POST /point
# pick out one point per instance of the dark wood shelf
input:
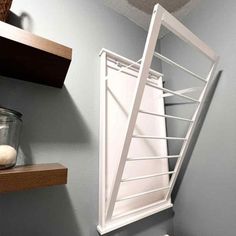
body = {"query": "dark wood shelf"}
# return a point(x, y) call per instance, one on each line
point(26, 56)
point(32, 176)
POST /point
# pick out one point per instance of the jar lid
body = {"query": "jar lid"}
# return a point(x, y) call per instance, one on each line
point(10, 113)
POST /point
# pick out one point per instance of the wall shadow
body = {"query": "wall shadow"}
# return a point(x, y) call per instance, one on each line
point(23, 21)
point(38, 212)
point(50, 115)
point(197, 131)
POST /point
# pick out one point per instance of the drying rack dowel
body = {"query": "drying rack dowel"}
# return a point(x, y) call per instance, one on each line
point(142, 194)
point(172, 92)
point(152, 158)
point(156, 137)
point(165, 116)
point(147, 176)
point(170, 62)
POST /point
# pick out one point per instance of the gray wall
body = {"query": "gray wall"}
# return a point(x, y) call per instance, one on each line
point(205, 203)
point(62, 125)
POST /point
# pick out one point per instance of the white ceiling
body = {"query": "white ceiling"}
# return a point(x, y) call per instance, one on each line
point(139, 11)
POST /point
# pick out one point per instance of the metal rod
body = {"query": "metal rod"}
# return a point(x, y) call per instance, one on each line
point(183, 91)
point(130, 65)
point(125, 72)
point(166, 116)
point(141, 194)
point(147, 176)
point(113, 57)
point(139, 209)
point(172, 92)
point(128, 73)
point(151, 158)
point(156, 137)
point(170, 62)
point(135, 68)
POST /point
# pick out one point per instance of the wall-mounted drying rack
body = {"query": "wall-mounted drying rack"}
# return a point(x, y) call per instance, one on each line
point(135, 179)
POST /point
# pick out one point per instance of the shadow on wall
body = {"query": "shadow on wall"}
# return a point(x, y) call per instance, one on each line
point(23, 21)
point(39, 212)
point(49, 115)
point(200, 122)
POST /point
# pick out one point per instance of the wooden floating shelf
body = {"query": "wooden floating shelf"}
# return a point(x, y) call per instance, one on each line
point(26, 56)
point(32, 176)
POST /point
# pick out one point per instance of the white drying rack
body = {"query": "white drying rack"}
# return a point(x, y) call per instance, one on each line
point(131, 92)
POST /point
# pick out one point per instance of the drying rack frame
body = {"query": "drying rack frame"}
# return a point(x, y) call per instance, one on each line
point(159, 17)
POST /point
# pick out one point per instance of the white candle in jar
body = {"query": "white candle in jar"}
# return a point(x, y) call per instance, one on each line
point(7, 155)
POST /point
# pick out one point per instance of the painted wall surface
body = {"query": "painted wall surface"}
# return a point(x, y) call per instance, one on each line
point(62, 125)
point(205, 203)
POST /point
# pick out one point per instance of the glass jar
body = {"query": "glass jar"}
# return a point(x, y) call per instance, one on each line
point(10, 128)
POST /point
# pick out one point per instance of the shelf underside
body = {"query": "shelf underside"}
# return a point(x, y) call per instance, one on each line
point(32, 58)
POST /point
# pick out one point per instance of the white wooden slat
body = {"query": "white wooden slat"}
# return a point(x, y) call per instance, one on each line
point(102, 141)
point(143, 74)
